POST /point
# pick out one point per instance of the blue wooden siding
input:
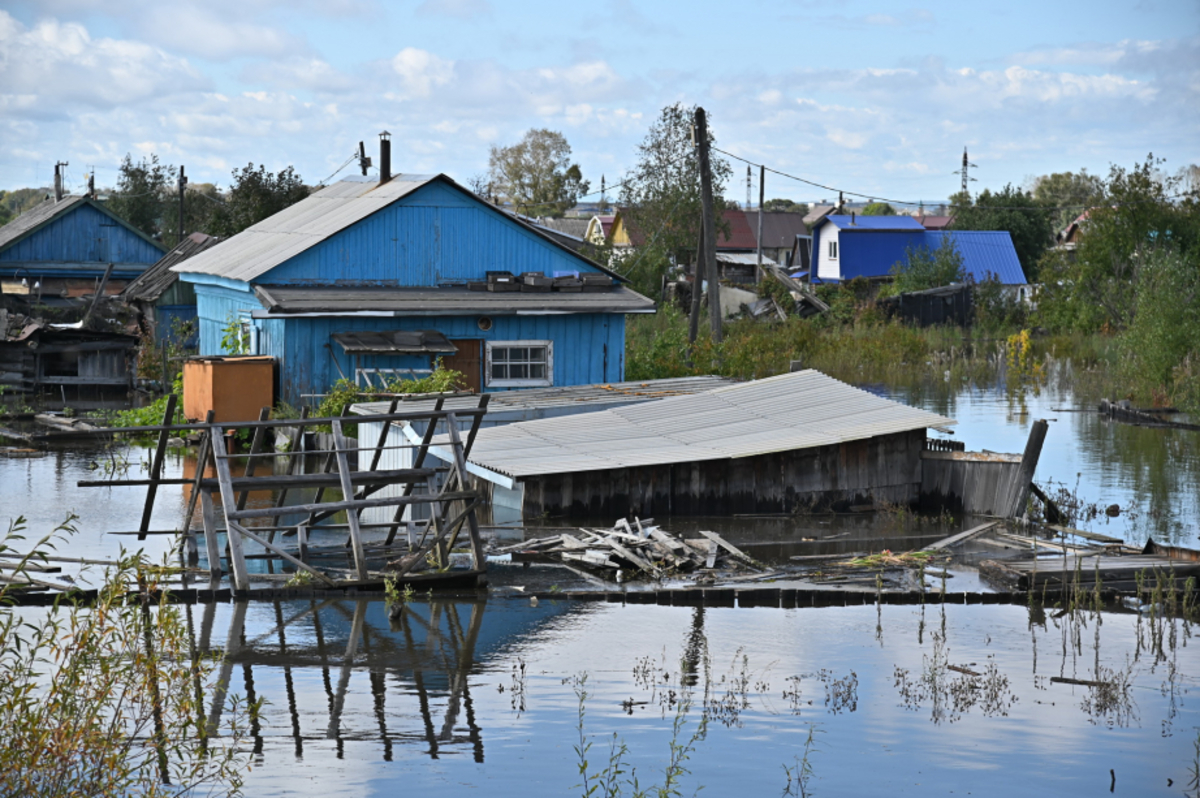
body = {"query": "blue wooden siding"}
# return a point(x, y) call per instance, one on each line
point(436, 236)
point(588, 348)
point(84, 235)
point(214, 306)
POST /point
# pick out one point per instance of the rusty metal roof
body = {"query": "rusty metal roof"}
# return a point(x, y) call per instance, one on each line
point(153, 283)
point(792, 411)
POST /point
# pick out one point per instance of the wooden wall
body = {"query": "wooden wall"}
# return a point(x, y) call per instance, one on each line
point(885, 469)
point(970, 482)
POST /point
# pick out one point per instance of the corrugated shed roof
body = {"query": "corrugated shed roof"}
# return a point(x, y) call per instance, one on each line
point(857, 222)
point(792, 411)
point(152, 283)
point(284, 299)
point(400, 342)
point(744, 258)
point(615, 393)
point(984, 253)
point(572, 227)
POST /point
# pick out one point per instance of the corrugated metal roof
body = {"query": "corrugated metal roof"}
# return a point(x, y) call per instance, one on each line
point(984, 252)
point(152, 283)
point(856, 222)
point(609, 393)
point(263, 246)
point(454, 300)
point(744, 258)
point(792, 411)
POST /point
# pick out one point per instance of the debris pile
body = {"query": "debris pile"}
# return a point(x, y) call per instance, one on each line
point(628, 550)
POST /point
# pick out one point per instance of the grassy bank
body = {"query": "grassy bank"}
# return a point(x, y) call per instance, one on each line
point(869, 350)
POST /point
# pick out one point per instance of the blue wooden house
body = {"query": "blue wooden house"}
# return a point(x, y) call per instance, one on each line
point(849, 246)
point(371, 280)
point(63, 247)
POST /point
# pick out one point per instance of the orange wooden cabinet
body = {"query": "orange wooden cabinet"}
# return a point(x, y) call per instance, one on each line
point(236, 388)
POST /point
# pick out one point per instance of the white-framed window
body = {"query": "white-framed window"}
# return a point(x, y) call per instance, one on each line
point(519, 364)
point(833, 250)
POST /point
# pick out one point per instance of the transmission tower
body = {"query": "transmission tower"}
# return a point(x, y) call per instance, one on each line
point(966, 175)
point(748, 187)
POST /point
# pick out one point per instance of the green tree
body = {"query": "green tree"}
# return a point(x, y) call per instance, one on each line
point(200, 207)
point(1068, 194)
point(785, 206)
point(535, 176)
point(1013, 210)
point(16, 202)
point(924, 268)
point(255, 195)
point(141, 193)
point(878, 209)
point(660, 196)
point(1098, 287)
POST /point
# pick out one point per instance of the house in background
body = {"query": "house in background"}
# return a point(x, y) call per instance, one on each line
point(67, 248)
point(845, 247)
point(160, 297)
point(338, 285)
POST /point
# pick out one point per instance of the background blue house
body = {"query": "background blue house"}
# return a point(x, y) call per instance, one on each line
point(66, 245)
point(365, 280)
point(845, 247)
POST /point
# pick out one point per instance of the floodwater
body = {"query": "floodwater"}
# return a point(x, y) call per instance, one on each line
point(468, 695)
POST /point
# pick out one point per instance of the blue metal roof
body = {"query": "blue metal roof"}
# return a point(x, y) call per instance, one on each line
point(984, 253)
point(843, 222)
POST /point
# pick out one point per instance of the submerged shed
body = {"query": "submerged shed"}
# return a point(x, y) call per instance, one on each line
point(798, 441)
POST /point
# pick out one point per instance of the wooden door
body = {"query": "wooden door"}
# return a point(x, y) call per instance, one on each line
point(468, 360)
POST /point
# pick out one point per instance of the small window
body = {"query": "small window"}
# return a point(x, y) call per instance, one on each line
point(520, 364)
point(833, 250)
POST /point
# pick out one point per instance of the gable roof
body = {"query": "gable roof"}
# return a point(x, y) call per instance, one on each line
point(779, 228)
point(48, 210)
point(261, 247)
point(152, 283)
point(856, 222)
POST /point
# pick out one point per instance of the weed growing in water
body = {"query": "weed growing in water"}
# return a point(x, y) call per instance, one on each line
point(799, 775)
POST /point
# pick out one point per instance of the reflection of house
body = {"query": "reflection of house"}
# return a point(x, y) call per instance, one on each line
point(845, 247)
point(63, 248)
point(410, 254)
point(158, 294)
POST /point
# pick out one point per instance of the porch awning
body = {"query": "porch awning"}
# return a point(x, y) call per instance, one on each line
point(395, 342)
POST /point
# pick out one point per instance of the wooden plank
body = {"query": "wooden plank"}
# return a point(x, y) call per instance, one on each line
point(343, 465)
point(720, 541)
point(237, 528)
point(156, 469)
point(1019, 495)
point(962, 536)
point(1079, 533)
point(237, 556)
point(297, 462)
point(636, 560)
point(201, 464)
point(255, 448)
point(336, 507)
point(210, 535)
point(460, 465)
point(418, 461)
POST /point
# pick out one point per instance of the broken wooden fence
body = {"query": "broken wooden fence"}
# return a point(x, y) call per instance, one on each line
point(444, 488)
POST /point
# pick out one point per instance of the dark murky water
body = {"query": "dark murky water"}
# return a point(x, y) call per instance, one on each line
point(361, 705)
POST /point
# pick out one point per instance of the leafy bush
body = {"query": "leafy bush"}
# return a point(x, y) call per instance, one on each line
point(109, 699)
point(924, 268)
point(152, 414)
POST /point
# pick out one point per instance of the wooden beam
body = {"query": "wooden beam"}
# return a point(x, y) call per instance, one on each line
point(418, 461)
point(239, 529)
point(460, 467)
point(210, 534)
point(255, 448)
point(962, 536)
point(336, 507)
point(237, 557)
point(343, 465)
point(156, 469)
point(201, 464)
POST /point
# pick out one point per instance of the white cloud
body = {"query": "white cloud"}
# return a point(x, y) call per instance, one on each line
point(60, 63)
point(420, 73)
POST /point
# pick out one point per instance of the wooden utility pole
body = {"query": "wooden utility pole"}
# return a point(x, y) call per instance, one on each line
point(762, 183)
point(182, 189)
point(697, 288)
point(709, 226)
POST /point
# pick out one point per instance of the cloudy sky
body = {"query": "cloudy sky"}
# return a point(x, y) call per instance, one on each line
point(872, 97)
